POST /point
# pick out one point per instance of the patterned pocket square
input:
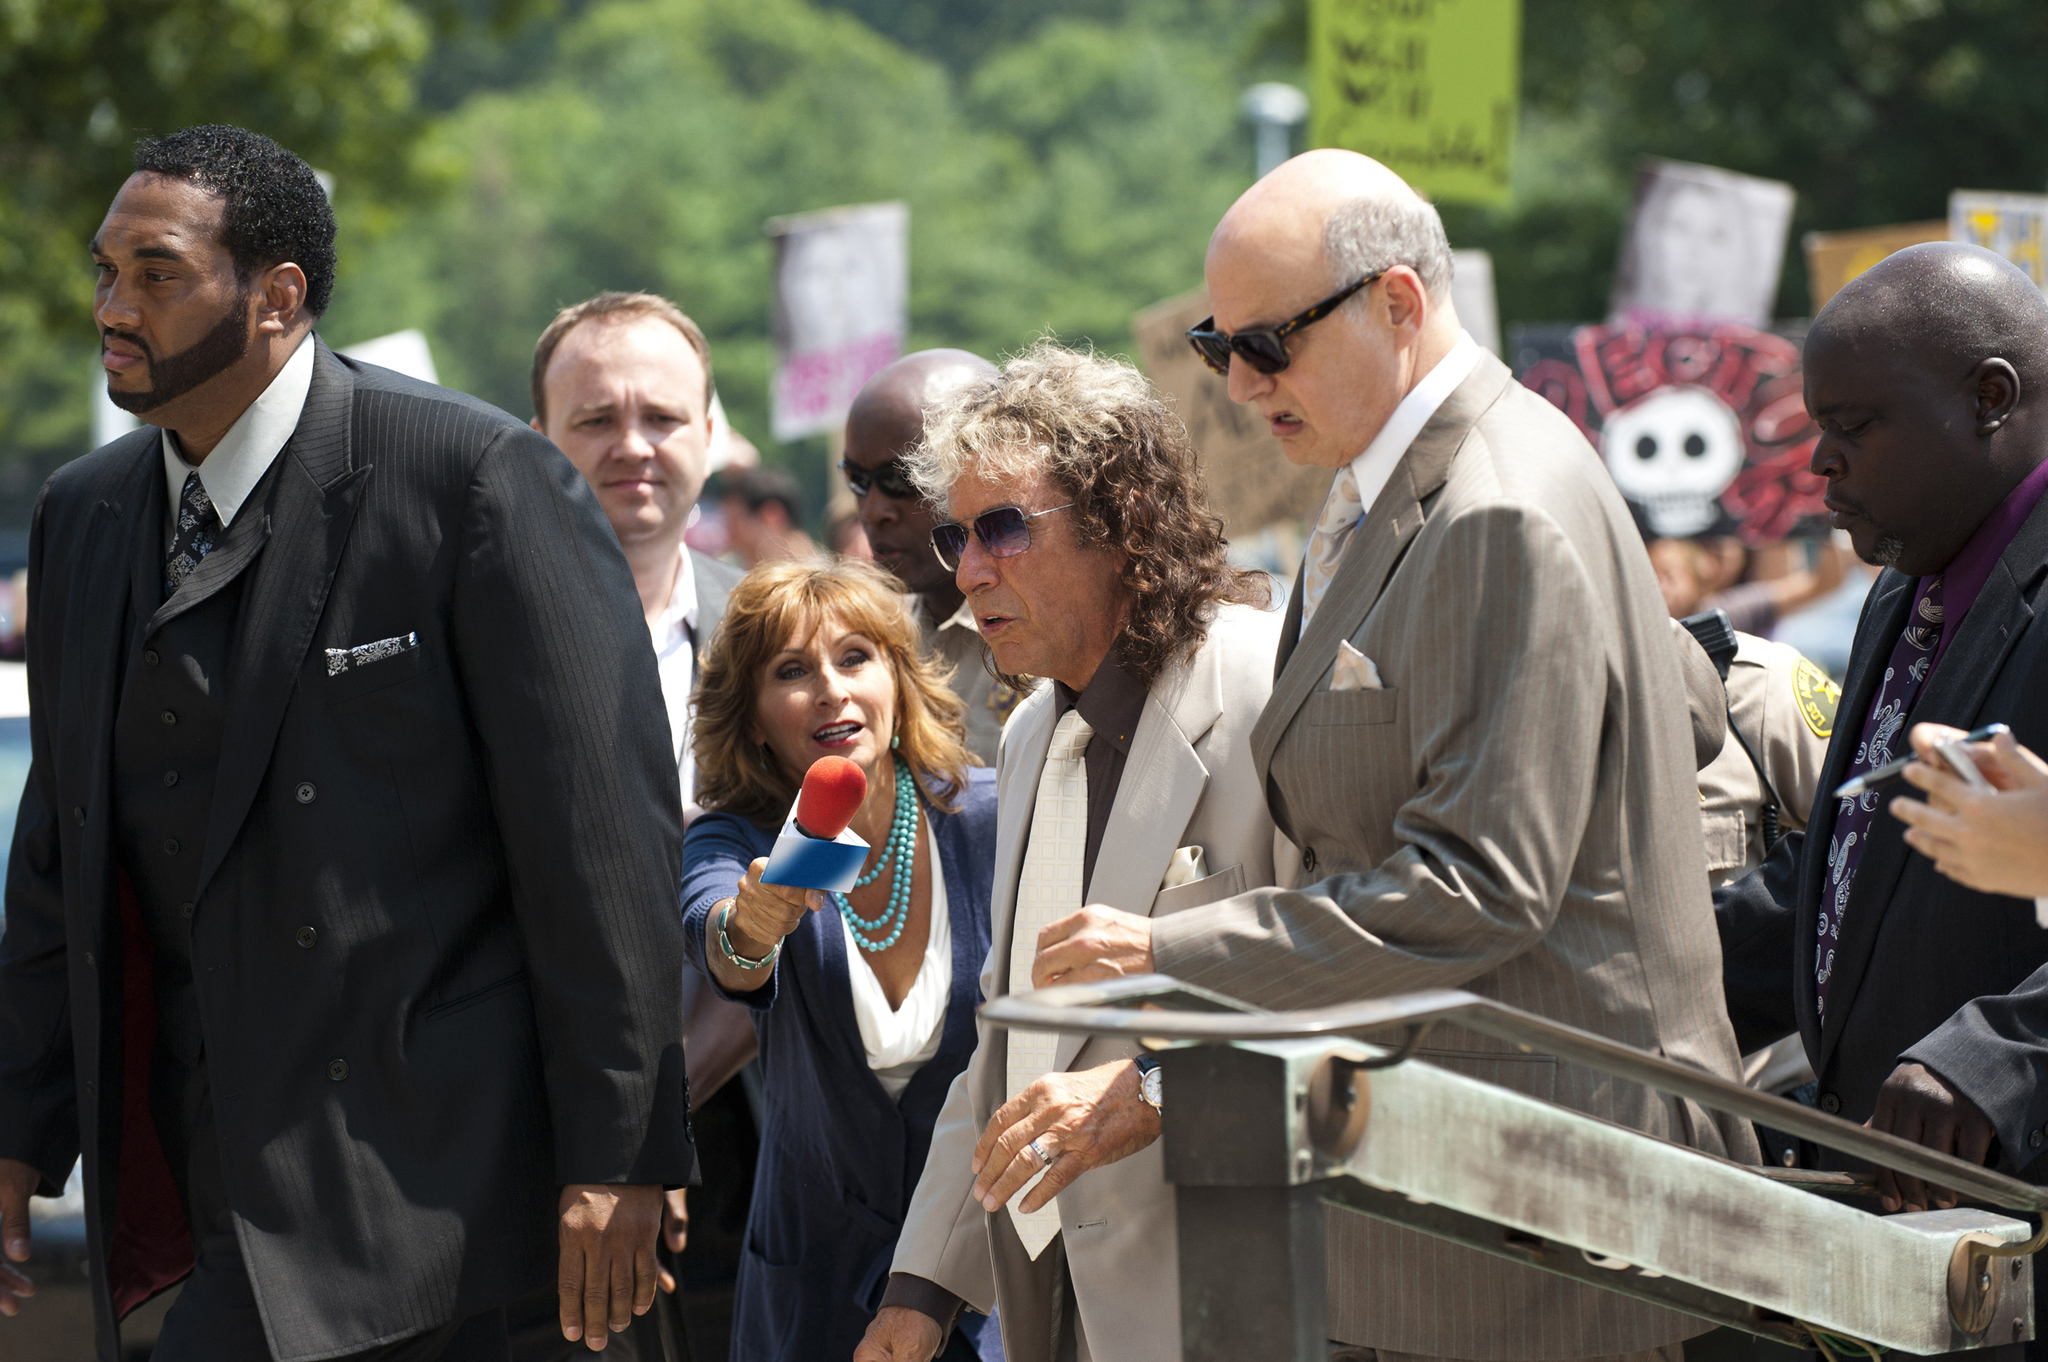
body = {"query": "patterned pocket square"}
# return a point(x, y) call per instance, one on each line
point(340, 660)
point(1354, 670)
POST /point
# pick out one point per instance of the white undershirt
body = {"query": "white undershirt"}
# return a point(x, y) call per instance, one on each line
point(676, 660)
point(901, 1041)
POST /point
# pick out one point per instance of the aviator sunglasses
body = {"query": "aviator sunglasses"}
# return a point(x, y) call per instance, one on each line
point(1264, 347)
point(1005, 532)
point(888, 479)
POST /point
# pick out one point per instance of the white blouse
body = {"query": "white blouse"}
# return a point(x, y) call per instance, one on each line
point(902, 1040)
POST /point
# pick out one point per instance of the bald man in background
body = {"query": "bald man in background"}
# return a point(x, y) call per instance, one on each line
point(1923, 1003)
point(1478, 737)
point(885, 424)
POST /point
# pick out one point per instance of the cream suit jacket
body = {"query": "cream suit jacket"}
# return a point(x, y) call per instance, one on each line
point(1513, 813)
point(1189, 781)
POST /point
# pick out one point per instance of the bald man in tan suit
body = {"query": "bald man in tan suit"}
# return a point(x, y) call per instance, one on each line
point(1477, 736)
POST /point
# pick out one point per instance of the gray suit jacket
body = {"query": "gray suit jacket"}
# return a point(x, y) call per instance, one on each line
point(1513, 814)
point(1189, 781)
point(715, 581)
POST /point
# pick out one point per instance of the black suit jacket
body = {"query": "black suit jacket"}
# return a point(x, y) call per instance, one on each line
point(1926, 970)
point(483, 831)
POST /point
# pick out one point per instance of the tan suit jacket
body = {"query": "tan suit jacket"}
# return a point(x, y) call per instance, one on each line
point(1514, 814)
point(1189, 781)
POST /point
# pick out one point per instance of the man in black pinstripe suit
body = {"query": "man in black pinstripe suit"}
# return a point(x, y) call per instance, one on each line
point(341, 931)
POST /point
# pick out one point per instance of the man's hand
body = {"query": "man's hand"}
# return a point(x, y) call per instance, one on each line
point(1995, 842)
point(675, 1231)
point(900, 1334)
point(1095, 943)
point(1083, 1120)
point(608, 1273)
point(1918, 1104)
point(18, 1182)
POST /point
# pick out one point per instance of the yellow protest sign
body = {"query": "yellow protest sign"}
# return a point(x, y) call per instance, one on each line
point(1429, 87)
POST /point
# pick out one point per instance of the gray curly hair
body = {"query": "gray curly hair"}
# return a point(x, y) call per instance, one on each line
point(1368, 235)
point(1117, 451)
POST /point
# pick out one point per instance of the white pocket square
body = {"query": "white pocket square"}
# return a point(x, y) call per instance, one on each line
point(1354, 670)
point(340, 660)
point(1189, 864)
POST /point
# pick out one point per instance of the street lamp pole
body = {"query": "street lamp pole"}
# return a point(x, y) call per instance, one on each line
point(1274, 109)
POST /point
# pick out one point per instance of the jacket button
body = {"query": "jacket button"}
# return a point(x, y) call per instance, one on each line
point(185, 908)
point(2035, 1140)
point(170, 846)
point(170, 778)
point(78, 815)
point(1830, 1103)
point(305, 792)
point(149, 656)
point(337, 1070)
point(1308, 858)
point(169, 717)
point(307, 936)
point(88, 960)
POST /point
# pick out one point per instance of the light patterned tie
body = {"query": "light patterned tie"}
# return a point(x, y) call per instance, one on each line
point(1048, 889)
point(1341, 510)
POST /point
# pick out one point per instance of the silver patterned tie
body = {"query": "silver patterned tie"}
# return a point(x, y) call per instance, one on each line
point(1048, 889)
point(198, 527)
point(1341, 510)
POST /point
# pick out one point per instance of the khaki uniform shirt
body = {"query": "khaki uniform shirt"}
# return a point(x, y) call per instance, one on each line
point(1785, 706)
point(956, 641)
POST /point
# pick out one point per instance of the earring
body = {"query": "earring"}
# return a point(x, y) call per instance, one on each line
point(895, 741)
point(764, 756)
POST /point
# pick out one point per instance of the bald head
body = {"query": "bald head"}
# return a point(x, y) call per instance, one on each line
point(1944, 305)
point(1316, 225)
point(1927, 375)
point(885, 423)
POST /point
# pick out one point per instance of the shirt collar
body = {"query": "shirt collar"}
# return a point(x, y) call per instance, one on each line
point(681, 615)
point(1963, 579)
point(1112, 704)
point(962, 618)
point(252, 443)
point(1376, 464)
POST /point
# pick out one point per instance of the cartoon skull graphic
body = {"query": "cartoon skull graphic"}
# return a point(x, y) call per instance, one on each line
point(1672, 453)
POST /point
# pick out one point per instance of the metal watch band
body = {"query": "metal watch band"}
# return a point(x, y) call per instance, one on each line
point(725, 944)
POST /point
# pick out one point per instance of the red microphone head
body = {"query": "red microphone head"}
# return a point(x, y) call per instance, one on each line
point(833, 789)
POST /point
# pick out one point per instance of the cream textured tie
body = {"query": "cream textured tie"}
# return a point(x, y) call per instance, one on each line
point(1048, 889)
point(1341, 510)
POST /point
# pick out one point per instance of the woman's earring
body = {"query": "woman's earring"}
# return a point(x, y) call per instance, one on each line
point(764, 756)
point(895, 741)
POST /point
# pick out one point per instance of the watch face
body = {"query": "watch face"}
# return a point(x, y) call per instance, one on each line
point(1149, 1087)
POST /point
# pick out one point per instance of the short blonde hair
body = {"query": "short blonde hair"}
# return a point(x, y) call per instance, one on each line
point(768, 608)
point(613, 303)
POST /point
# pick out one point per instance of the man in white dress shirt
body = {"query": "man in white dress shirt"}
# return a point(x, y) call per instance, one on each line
point(622, 384)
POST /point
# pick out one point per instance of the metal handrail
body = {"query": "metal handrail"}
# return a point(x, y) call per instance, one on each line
point(1114, 1008)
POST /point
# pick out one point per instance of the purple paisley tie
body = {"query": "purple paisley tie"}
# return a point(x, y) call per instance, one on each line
point(1883, 738)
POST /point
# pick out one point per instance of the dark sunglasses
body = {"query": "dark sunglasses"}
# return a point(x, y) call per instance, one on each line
point(1265, 347)
point(888, 478)
point(1005, 532)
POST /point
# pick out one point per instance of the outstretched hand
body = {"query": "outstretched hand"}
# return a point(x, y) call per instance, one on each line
point(18, 1182)
point(1994, 841)
point(608, 1272)
point(900, 1334)
point(1096, 943)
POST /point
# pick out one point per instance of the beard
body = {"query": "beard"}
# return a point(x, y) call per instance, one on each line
point(1887, 551)
point(175, 375)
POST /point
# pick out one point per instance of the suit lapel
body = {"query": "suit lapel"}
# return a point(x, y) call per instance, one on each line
point(1954, 696)
point(1162, 783)
point(1376, 547)
point(1025, 741)
point(310, 510)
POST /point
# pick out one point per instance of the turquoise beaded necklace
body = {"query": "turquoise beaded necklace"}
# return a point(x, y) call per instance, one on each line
point(900, 848)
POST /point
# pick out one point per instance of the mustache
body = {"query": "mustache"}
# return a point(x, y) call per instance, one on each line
point(108, 333)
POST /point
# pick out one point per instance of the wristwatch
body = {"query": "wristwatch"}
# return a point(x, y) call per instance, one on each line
point(1149, 1082)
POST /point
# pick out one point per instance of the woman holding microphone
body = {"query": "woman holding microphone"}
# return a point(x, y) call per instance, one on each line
point(864, 1002)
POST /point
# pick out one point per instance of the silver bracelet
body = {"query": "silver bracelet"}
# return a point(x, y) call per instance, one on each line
point(725, 944)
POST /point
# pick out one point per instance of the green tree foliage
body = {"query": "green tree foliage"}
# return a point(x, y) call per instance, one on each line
point(1070, 180)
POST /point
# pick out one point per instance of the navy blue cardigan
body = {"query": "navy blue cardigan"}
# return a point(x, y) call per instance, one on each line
point(839, 1160)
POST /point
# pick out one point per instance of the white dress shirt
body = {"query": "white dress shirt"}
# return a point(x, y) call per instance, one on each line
point(676, 657)
point(1376, 464)
point(251, 445)
point(900, 1041)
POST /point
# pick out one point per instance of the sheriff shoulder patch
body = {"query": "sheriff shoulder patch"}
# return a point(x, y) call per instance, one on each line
point(1817, 697)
